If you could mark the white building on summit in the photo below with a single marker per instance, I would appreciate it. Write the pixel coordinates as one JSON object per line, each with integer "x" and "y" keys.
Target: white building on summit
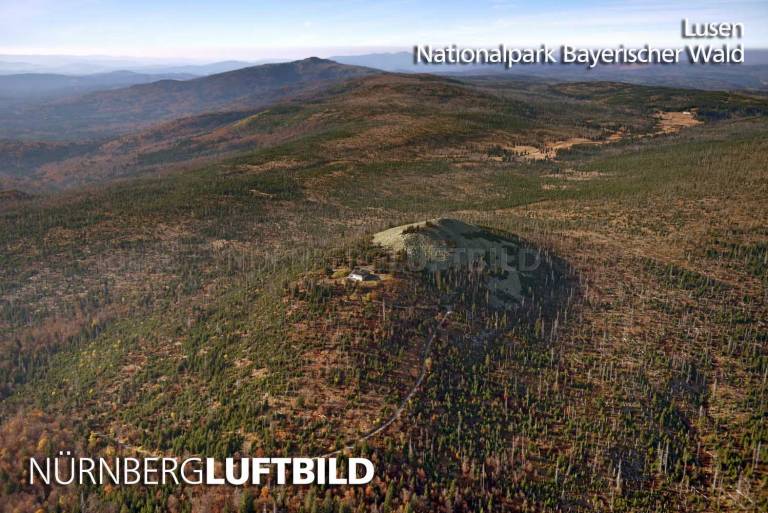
{"x": 361, "y": 275}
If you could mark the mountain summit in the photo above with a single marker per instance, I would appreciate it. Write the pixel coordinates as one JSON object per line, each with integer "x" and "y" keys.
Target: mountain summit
{"x": 121, "y": 110}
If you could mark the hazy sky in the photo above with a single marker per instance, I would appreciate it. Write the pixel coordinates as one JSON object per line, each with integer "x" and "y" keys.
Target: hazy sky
{"x": 249, "y": 29}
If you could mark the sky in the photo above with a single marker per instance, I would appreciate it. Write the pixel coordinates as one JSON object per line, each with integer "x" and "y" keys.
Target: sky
{"x": 253, "y": 29}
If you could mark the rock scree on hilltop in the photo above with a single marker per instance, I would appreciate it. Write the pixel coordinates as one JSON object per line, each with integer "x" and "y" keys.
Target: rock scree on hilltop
{"x": 507, "y": 266}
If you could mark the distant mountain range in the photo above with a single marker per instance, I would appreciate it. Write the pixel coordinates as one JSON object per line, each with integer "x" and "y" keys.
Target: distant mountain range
{"x": 753, "y": 75}
{"x": 158, "y": 127}
{"x": 117, "y": 130}
{"x": 395, "y": 62}
{"x": 93, "y": 73}
{"x": 121, "y": 110}
{"x": 75, "y": 65}
{"x": 37, "y": 86}
{"x": 203, "y": 69}
{"x": 403, "y": 61}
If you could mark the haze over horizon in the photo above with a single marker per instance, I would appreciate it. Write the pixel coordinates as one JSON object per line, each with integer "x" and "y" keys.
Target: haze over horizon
{"x": 235, "y": 29}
